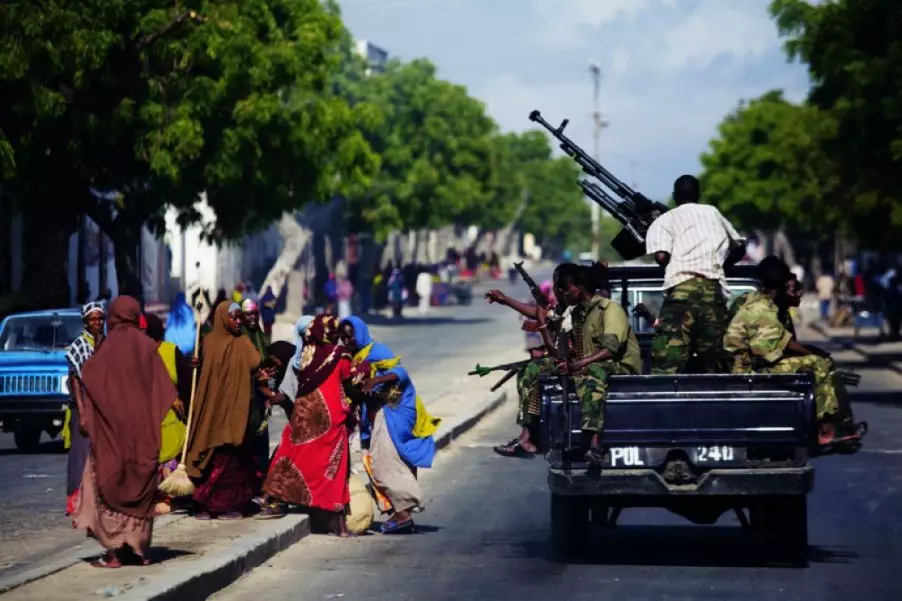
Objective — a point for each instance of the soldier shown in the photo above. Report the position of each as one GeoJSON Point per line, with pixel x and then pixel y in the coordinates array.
{"type": "Point", "coordinates": [602, 344]}
{"type": "Point", "coordinates": [759, 342]}
{"type": "Point", "coordinates": [530, 403]}
{"type": "Point", "coordinates": [692, 242]}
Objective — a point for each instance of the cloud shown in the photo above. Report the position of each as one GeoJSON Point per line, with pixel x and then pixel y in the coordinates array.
{"type": "Point", "coordinates": [671, 68]}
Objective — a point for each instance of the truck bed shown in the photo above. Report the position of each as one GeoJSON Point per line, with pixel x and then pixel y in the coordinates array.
{"type": "Point", "coordinates": [749, 415]}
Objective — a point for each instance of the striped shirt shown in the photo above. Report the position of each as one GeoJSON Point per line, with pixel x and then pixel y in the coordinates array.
{"type": "Point", "coordinates": [697, 237]}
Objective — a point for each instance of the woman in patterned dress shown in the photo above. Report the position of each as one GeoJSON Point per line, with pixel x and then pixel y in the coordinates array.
{"type": "Point", "coordinates": [311, 466]}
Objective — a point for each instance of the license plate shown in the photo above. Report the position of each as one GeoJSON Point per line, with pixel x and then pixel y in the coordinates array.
{"type": "Point", "coordinates": [714, 454]}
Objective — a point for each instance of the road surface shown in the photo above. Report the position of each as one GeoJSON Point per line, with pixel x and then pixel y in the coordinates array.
{"type": "Point", "coordinates": [32, 486]}
{"type": "Point", "coordinates": [485, 536]}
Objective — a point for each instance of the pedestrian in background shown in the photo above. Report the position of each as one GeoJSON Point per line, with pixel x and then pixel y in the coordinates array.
{"type": "Point", "coordinates": [825, 286]}
{"type": "Point", "coordinates": [268, 312]}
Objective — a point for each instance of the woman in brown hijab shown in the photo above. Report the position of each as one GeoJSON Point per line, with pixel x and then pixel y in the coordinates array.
{"type": "Point", "coordinates": [219, 453]}
{"type": "Point", "coordinates": [127, 393]}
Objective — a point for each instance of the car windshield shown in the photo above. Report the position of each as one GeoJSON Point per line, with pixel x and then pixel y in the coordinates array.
{"type": "Point", "coordinates": [39, 332]}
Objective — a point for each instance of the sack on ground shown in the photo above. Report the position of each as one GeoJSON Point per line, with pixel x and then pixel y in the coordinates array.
{"type": "Point", "coordinates": [360, 509]}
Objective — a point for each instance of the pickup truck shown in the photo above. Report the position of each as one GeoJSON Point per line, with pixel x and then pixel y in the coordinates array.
{"type": "Point", "coordinates": [697, 445]}
{"type": "Point", "coordinates": [34, 389]}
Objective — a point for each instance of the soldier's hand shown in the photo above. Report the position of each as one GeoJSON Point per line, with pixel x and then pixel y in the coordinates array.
{"type": "Point", "coordinates": [541, 316]}
{"type": "Point", "coordinates": [563, 367]}
{"type": "Point", "coordinates": [495, 296]}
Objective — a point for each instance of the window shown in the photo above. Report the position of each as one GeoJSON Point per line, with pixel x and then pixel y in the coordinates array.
{"type": "Point", "coordinates": [653, 297]}
{"type": "Point", "coordinates": [39, 332]}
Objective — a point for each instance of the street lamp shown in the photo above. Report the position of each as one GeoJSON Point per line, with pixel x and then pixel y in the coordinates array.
{"type": "Point", "coordinates": [600, 123]}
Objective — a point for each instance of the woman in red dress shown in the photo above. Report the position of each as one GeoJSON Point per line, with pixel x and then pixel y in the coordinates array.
{"type": "Point", "coordinates": [311, 466]}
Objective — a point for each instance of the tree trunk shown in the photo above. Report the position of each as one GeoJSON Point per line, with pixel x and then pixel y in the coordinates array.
{"type": "Point", "coordinates": [45, 281]}
{"type": "Point", "coordinates": [126, 239]}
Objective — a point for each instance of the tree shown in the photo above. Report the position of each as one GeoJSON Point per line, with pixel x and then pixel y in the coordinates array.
{"type": "Point", "coordinates": [556, 212]}
{"type": "Point", "coordinates": [161, 102]}
{"type": "Point", "coordinates": [853, 49]}
{"type": "Point", "coordinates": [435, 146]}
{"type": "Point", "coordinates": [765, 169]}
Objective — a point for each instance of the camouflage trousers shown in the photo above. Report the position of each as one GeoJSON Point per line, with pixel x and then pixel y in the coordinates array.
{"type": "Point", "coordinates": [591, 387]}
{"type": "Point", "coordinates": [692, 320]}
{"type": "Point", "coordinates": [529, 393]}
{"type": "Point", "coordinates": [829, 391]}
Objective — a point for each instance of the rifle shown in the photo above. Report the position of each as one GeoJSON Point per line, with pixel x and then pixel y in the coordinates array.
{"type": "Point", "coordinates": [634, 211]}
{"type": "Point", "coordinates": [541, 299]}
{"type": "Point", "coordinates": [506, 377]}
{"type": "Point", "coordinates": [484, 371]}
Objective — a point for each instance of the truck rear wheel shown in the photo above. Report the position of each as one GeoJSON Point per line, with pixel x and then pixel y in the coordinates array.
{"type": "Point", "coordinates": [783, 521]}
{"type": "Point", "coordinates": [570, 526]}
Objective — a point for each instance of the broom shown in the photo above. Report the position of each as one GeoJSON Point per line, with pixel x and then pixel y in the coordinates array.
{"type": "Point", "coordinates": [177, 483]}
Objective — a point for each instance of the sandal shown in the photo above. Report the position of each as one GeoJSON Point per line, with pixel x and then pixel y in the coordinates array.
{"type": "Point", "coordinates": [106, 561]}
{"type": "Point", "coordinates": [594, 456]}
{"type": "Point", "coordinates": [513, 449]}
{"type": "Point", "coordinates": [271, 511]}
{"type": "Point", "coordinates": [405, 527]}
{"type": "Point", "coordinates": [230, 516]}
{"type": "Point", "coordinates": [203, 516]}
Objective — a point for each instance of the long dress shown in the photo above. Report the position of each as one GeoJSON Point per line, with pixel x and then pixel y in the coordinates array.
{"type": "Point", "coordinates": [311, 466]}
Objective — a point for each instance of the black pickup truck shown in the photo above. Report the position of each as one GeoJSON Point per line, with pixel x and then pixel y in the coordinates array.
{"type": "Point", "coordinates": [697, 445]}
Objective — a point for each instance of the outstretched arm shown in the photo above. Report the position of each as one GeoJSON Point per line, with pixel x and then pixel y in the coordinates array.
{"type": "Point", "coordinates": [496, 296]}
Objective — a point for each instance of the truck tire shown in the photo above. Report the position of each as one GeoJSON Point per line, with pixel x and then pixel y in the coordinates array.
{"type": "Point", "coordinates": [570, 526]}
{"type": "Point", "coordinates": [27, 439]}
{"type": "Point", "coordinates": [783, 520]}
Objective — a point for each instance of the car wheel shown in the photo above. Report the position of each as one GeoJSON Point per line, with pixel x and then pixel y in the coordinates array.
{"type": "Point", "coordinates": [27, 439]}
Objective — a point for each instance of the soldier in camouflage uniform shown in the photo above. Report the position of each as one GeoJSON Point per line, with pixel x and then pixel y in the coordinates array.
{"type": "Point", "coordinates": [530, 403]}
{"type": "Point", "coordinates": [692, 242]}
{"type": "Point", "coordinates": [759, 342]}
{"type": "Point", "coordinates": [602, 344]}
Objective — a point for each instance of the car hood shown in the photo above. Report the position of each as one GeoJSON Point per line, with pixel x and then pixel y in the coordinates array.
{"type": "Point", "coordinates": [31, 360]}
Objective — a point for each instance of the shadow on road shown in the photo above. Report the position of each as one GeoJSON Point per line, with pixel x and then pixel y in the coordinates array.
{"type": "Point", "coordinates": [699, 546]}
{"type": "Point", "coordinates": [50, 447]}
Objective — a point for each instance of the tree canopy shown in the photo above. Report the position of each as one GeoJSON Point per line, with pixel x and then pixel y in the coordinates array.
{"type": "Point", "coordinates": [836, 157]}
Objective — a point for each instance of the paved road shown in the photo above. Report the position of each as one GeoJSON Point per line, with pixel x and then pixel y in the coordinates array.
{"type": "Point", "coordinates": [486, 530]}
{"type": "Point", "coordinates": [436, 349]}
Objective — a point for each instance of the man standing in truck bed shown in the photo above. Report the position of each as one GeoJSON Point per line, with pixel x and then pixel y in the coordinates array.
{"type": "Point", "coordinates": [692, 242]}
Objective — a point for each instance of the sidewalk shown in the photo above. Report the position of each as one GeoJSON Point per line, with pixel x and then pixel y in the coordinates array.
{"type": "Point", "coordinates": [194, 559]}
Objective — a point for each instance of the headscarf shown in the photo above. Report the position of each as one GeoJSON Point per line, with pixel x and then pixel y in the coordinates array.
{"type": "Point", "coordinates": [180, 324]}
{"type": "Point", "coordinates": [547, 288]}
{"type": "Point", "coordinates": [283, 351]}
{"type": "Point", "coordinates": [223, 395]}
{"type": "Point", "coordinates": [321, 353]}
{"type": "Point", "coordinates": [154, 327]}
{"type": "Point", "coordinates": [248, 305]}
{"type": "Point", "coordinates": [374, 351]}
{"type": "Point", "coordinates": [128, 392]}
{"type": "Point", "coordinates": [299, 329]}
{"type": "Point", "coordinates": [81, 349]}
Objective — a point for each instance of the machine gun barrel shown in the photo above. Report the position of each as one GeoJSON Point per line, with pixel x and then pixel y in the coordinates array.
{"type": "Point", "coordinates": [482, 371]}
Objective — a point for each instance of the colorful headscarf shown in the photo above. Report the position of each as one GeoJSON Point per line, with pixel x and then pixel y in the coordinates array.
{"type": "Point", "coordinates": [299, 329]}
{"type": "Point", "coordinates": [321, 353]}
{"type": "Point", "coordinates": [180, 324]}
{"type": "Point", "coordinates": [248, 305]}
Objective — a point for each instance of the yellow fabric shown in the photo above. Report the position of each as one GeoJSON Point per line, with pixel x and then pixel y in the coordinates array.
{"type": "Point", "coordinates": [173, 429]}
{"type": "Point", "coordinates": [167, 353]}
{"type": "Point", "coordinates": [173, 437]}
{"type": "Point", "coordinates": [67, 429]}
{"type": "Point", "coordinates": [426, 425]}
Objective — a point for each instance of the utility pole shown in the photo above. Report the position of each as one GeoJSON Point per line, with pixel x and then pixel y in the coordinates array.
{"type": "Point", "coordinates": [600, 123]}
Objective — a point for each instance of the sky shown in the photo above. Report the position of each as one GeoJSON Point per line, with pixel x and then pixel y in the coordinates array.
{"type": "Point", "coordinates": [671, 69]}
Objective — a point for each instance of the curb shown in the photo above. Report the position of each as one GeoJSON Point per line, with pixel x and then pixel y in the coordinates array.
{"type": "Point", "coordinates": [447, 434]}
{"type": "Point", "coordinates": [217, 571]}
{"type": "Point", "coordinates": [66, 558]}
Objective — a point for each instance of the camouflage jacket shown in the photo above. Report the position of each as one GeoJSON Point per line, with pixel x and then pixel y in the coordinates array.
{"type": "Point", "coordinates": [756, 336]}
{"type": "Point", "coordinates": [742, 299]}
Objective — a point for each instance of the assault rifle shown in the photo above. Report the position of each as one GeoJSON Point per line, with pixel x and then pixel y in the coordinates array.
{"type": "Point", "coordinates": [511, 368]}
{"type": "Point", "coordinates": [634, 211]}
{"type": "Point", "coordinates": [541, 299]}
{"type": "Point", "coordinates": [484, 371]}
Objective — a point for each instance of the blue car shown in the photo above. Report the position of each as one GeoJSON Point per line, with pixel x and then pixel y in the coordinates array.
{"type": "Point", "coordinates": [34, 374]}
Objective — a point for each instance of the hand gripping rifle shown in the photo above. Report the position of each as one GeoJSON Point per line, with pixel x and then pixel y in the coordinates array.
{"type": "Point", "coordinates": [634, 211]}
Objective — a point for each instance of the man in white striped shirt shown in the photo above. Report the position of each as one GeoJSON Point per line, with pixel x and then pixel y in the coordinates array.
{"type": "Point", "coordinates": [692, 242]}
